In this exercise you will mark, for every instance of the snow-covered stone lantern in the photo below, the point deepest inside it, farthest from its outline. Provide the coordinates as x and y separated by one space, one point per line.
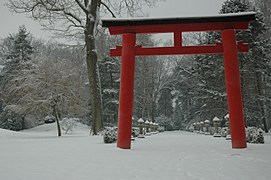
156 127
201 127
216 122
151 126
147 126
198 127
141 126
227 118
194 127
207 125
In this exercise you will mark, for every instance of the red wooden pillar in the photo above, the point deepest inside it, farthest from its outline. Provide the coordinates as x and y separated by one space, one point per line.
233 86
126 91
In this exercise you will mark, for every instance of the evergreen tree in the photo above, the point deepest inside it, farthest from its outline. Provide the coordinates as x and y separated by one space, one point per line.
254 68
265 7
20 49
18 53
109 73
165 103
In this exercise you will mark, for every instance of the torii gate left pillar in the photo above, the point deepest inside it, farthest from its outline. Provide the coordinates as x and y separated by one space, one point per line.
227 24
126 90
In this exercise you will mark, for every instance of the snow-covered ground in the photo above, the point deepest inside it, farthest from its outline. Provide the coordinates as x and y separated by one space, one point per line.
37 154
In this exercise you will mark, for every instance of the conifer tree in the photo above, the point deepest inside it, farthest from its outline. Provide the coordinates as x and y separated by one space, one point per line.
253 69
20 49
18 53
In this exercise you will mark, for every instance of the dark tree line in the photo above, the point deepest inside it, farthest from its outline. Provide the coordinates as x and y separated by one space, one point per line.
206 91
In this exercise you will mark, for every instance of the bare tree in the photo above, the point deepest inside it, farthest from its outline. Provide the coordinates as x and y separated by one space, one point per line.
46 84
73 18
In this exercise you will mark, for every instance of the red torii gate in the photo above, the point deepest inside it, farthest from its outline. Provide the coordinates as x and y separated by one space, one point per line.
226 23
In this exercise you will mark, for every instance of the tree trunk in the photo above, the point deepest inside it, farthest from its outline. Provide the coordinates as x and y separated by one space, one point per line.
93 70
23 122
56 113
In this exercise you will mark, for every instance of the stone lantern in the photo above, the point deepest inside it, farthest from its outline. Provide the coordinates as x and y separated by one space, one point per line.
194 127
198 127
202 127
141 126
207 125
227 118
216 121
147 126
156 127
151 127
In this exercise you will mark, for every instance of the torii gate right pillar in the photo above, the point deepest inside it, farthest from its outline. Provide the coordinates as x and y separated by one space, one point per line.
233 88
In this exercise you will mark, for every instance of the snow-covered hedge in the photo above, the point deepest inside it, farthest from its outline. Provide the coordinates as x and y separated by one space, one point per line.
11 120
110 135
254 135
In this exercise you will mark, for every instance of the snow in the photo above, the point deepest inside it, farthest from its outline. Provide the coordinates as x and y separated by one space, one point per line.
176 17
38 154
140 120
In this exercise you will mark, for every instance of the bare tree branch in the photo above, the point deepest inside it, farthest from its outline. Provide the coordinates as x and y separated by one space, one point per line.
111 12
82 6
74 17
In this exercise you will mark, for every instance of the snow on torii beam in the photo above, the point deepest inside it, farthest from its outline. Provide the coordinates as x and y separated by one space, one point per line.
226 23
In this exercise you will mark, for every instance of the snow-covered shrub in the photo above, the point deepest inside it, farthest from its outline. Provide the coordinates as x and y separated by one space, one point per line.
11 120
67 124
110 135
49 119
161 128
135 131
254 135
165 121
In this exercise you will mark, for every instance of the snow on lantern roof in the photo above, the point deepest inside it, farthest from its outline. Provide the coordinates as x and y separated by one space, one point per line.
216 119
227 116
206 121
140 120
231 17
147 122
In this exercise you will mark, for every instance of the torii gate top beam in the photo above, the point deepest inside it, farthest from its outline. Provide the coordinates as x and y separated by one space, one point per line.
237 21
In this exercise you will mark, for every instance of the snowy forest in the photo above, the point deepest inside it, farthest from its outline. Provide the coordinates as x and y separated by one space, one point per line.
42 79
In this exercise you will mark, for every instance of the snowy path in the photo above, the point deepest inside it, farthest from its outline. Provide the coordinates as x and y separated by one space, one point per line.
164 156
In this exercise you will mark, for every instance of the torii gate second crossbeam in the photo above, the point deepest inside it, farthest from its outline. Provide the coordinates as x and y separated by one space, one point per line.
227 24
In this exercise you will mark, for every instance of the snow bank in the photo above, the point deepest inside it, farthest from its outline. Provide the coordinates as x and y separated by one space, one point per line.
51 129
8 133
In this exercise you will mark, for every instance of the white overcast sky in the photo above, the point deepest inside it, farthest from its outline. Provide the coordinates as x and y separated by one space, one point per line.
169 8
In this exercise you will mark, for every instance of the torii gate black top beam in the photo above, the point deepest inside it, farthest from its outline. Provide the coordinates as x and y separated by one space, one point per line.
230 20
226 23
235 21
